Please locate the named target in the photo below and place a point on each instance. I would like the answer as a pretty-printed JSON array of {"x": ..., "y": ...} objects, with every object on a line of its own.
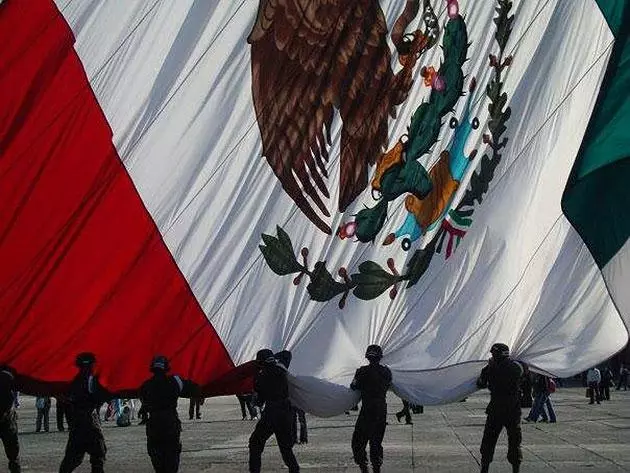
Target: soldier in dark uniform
[
  {"x": 372, "y": 381},
  {"x": 8, "y": 418},
  {"x": 159, "y": 396},
  {"x": 84, "y": 397},
  {"x": 502, "y": 377},
  {"x": 272, "y": 389}
]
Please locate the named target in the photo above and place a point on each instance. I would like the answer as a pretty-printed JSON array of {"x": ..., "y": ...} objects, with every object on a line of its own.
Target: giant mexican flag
[{"x": 203, "y": 179}]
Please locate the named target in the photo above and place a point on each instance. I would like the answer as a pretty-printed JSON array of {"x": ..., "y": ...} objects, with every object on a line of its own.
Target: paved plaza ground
[{"x": 444, "y": 439}]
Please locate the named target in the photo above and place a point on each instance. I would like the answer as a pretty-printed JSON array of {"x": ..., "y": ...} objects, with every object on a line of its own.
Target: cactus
[{"x": 409, "y": 176}]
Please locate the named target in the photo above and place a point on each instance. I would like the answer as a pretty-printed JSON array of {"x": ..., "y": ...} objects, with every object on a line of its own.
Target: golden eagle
[{"x": 310, "y": 57}]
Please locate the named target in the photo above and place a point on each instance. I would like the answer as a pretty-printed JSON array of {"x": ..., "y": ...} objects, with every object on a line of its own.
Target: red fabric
[{"x": 82, "y": 265}]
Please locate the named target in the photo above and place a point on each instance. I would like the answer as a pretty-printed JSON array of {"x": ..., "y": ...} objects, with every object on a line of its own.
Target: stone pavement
[{"x": 444, "y": 439}]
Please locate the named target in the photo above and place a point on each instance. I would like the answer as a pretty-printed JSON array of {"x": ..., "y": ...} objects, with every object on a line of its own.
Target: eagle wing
[{"x": 309, "y": 57}]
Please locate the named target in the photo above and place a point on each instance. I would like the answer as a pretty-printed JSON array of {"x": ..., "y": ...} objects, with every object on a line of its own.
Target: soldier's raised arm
[{"x": 482, "y": 380}]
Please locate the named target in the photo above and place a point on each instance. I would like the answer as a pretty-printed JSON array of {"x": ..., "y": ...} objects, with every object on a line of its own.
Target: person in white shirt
[{"x": 593, "y": 378}]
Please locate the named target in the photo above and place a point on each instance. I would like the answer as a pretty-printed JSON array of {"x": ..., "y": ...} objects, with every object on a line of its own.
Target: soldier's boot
[
  {"x": 485, "y": 467},
  {"x": 14, "y": 467},
  {"x": 376, "y": 469},
  {"x": 364, "y": 468},
  {"x": 516, "y": 468}
]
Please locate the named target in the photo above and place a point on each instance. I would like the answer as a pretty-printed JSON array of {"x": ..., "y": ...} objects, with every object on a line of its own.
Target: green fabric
[
  {"x": 613, "y": 12},
  {"x": 597, "y": 197}
]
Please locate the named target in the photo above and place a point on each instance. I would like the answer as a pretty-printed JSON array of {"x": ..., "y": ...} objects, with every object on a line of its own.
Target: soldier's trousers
[
  {"x": 81, "y": 440},
  {"x": 60, "y": 413},
  {"x": 275, "y": 419},
  {"x": 494, "y": 424},
  {"x": 164, "y": 441},
  {"x": 370, "y": 427},
  {"x": 9, "y": 436}
]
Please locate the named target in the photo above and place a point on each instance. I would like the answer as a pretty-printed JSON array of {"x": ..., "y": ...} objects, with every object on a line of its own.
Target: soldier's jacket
[
  {"x": 373, "y": 381},
  {"x": 159, "y": 396},
  {"x": 8, "y": 416},
  {"x": 271, "y": 385},
  {"x": 84, "y": 397},
  {"x": 7, "y": 394},
  {"x": 160, "y": 392},
  {"x": 502, "y": 378}
]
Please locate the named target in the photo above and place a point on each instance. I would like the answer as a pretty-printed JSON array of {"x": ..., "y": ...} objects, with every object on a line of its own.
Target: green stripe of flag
[
  {"x": 597, "y": 197},
  {"x": 613, "y": 11}
]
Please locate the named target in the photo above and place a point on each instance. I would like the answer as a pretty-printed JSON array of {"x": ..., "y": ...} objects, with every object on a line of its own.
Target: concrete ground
[{"x": 444, "y": 439}]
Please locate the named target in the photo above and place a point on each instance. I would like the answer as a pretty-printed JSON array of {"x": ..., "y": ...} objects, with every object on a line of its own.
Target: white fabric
[
  {"x": 320, "y": 397},
  {"x": 180, "y": 383},
  {"x": 617, "y": 274},
  {"x": 173, "y": 79}
]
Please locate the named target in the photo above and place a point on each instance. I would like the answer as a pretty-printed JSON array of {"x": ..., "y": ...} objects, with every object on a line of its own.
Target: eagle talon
[{"x": 411, "y": 48}]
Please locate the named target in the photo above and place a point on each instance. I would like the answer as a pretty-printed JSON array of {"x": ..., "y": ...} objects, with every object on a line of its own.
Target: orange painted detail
[
  {"x": 428, "y": 73},
  {"x": 429, "y": 209},
  {"x": 385, "y": 162}
]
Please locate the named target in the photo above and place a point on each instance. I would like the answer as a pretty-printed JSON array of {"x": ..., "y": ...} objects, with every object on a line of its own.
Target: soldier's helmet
[
  {"x": 500, "y": 350},
  {"x": 264, "y": 355},
  {"x": 160, "y": 363},
  {"x": 374, "y": 352},
  {"x": 85, "y": 359},
  {"x": 7, "y": 371}
]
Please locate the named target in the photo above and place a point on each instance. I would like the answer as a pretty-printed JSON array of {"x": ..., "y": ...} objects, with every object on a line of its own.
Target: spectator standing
[
  {"x": 131, "y": 403},
  {"x": 542, "y": 388},
  {"x": 300, "y": 416},
  {"x": 593, "y": 378},
  {"x": 61, "y": 412},
  {"x": 113, "y": 409},
  {"x": 550, "y": 415},
  {"x": 526, "y": 388},
  {"x": 43, "y": 413},
  {"x": 623, "y": 378},
  {"x": 604, "y": 386},
  {"x": 194, "y": 408}
]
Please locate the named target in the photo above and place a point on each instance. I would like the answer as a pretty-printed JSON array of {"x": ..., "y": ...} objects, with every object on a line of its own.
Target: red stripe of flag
[{"x": 82, "y": 264}]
